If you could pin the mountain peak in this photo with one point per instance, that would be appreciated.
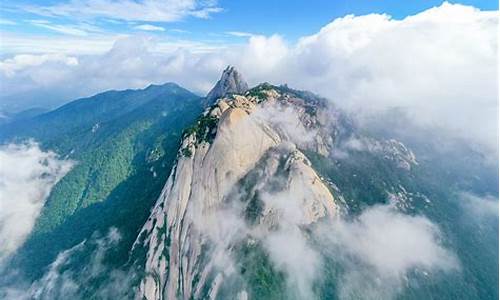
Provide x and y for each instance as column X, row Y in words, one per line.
column 231, row 82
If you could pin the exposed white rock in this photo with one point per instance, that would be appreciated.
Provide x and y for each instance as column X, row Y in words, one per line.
column 206, row 174
column 231, row 82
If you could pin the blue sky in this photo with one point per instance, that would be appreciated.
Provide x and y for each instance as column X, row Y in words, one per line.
column 294, row 19
column 207, row 21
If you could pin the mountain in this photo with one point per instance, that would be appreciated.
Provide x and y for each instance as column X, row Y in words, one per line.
column 272, row 165
column 230, row 156
column 231, row 82
column 123, row 143
column 260, row 193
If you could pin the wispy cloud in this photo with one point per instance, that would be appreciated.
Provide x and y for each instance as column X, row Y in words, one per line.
column 142, row 10
column 98, row 44
column 240, row 33
column 11, row 65
column 91, row 274
column 206, row 12
column 379, row 248
column 38, row 21
column 149, row 27
column 26, row 177
column 479, row 207
column 179, row 30
column 7, row 22
column 79, row 29
column 70, row 30
column 74, row 44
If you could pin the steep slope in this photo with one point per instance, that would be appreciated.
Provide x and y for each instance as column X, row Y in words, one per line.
column 231, row 82
column 124, row 143
column 260, row 172
column 87, row 112
column 235, row 163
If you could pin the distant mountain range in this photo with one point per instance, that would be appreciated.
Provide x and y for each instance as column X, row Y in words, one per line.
column 229, row 196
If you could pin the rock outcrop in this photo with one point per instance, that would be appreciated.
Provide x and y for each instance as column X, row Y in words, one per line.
column 240, row 173
column 231, row 82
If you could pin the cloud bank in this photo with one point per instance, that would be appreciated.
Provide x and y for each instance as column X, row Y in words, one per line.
column 439, row 65
column 380, row 248
column 27, row 174
column 375, row 253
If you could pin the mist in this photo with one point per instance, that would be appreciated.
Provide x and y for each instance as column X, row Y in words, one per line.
column 377, row 250
column 381, row 247
column 77, row 273
column 27, row 175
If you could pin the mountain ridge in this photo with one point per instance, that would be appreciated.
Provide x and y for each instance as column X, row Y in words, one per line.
column 215, row 157
column 201, row 190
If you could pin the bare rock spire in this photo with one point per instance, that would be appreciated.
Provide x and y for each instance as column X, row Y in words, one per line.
column 231, row 82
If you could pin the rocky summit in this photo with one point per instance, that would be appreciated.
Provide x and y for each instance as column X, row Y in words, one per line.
column 241, row 176
column 231, row 82
column 230, row 162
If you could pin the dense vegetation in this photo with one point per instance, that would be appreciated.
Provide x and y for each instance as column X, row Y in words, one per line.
column 124, row 144
column 204, row 129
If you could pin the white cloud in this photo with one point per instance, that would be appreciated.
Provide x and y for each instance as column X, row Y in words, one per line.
column 98, row 43
column 65, row 29
column 379, row 249
column 74, row 45
column 374, row 253
column 19, row 62
column 148, row 27
column 240, row 34
column 177, row 30
column 27, row 174
column 392, row 242
column 38, row 21
column 79, row 29
column 439, row 65
column 290, row 251
column 286, row 120
column 7, row 22
column 143, row 10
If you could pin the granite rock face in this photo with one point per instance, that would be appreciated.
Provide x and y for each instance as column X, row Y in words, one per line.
column 244, row 189
column 231, row 82
column 240, row 175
